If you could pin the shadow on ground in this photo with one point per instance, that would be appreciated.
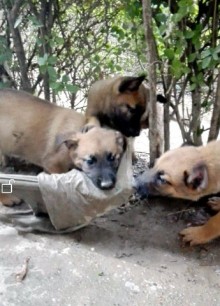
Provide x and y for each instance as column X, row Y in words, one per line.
column 140, row 233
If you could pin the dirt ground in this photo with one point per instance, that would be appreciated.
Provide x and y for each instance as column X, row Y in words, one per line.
column 131, row 256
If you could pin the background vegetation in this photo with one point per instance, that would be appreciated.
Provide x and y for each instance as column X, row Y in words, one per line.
column 58, row 48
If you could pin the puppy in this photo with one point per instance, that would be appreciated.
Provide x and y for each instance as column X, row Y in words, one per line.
column 49, row 136
column 188, row 173
column 119, row 103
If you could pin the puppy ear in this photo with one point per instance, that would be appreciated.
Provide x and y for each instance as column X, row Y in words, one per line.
column 161, row 99
column 70, row 140
column 71, row 143
column 197, row 179
column 121, row 140
column 131, row 83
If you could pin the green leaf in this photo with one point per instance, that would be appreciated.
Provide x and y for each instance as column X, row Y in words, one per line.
column 119, row 31
column 193, row 86
column 185, row 70
column 200, row 79
column 35, row 22
column 189, row 34
column 42, row 60
column 176, row 67
column 178, row 16
column 192, row 57
column 97, row 58
column 205, row 53
column 217, row 49
column 215, row 56
column 55, row 85
column 52, row 73
column 59, row 40
column 39, row 41
column 169, row 53
column 43, row 69
column 5, row 57
column 65, row 78
column 206, row 61
column 161, row 17
column 52, row 43
column 163, row 29
column 117, row 67
column 72, row 88
column 52, row 60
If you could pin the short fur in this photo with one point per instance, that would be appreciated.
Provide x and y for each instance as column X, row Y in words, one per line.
column 188, row 173
column 120, row 103
column 48, row 136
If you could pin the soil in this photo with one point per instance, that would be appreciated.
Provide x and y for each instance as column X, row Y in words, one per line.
column 130, row 256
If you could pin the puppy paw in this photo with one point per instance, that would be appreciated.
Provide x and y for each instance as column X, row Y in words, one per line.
column 214, row 203
column 194, row 235
column 9, row 200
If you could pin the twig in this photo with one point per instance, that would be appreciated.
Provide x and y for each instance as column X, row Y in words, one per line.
column 20, row 276
column 180, row 211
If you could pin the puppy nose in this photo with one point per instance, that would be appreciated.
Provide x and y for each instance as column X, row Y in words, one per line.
column 140, row 188
column 106, row 184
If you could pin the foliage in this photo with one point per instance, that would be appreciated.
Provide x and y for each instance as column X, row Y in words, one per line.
column 187, row 37
column 67, row 45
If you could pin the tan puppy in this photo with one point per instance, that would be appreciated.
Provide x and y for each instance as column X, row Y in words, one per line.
column 48, row 136
column 188, row 173
column 120, row 103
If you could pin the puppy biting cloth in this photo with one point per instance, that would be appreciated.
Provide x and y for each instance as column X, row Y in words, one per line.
column 70, row 200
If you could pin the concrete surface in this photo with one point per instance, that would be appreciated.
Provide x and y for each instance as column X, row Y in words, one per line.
column 131, row 256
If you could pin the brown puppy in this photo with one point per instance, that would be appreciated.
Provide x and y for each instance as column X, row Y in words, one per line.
column 119, row 103
column 48, row 136
column 188, row 173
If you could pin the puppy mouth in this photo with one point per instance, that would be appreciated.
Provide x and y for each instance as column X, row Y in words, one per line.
column 130, row 132
column 133, row 134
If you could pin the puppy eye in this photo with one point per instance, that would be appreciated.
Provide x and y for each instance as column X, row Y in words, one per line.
column 110, row 157
column 91, row 160
column 160, row 178
column 130, row 108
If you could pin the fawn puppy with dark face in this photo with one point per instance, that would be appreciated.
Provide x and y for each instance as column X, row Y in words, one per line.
column 188, row 173
column 119, row 103
column 50, row 136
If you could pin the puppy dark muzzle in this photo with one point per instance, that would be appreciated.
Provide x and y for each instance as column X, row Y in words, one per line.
column 106, row 183
column 140, row 188
column 145, row 184
column 131, row 132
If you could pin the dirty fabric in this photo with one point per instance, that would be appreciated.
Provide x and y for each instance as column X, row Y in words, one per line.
column 71, row 200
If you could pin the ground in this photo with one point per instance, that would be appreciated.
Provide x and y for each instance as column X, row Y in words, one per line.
column 131, row 256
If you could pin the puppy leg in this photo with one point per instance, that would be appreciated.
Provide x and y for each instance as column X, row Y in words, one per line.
column 9, row 200
column 214, row 202
column 202, row 234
